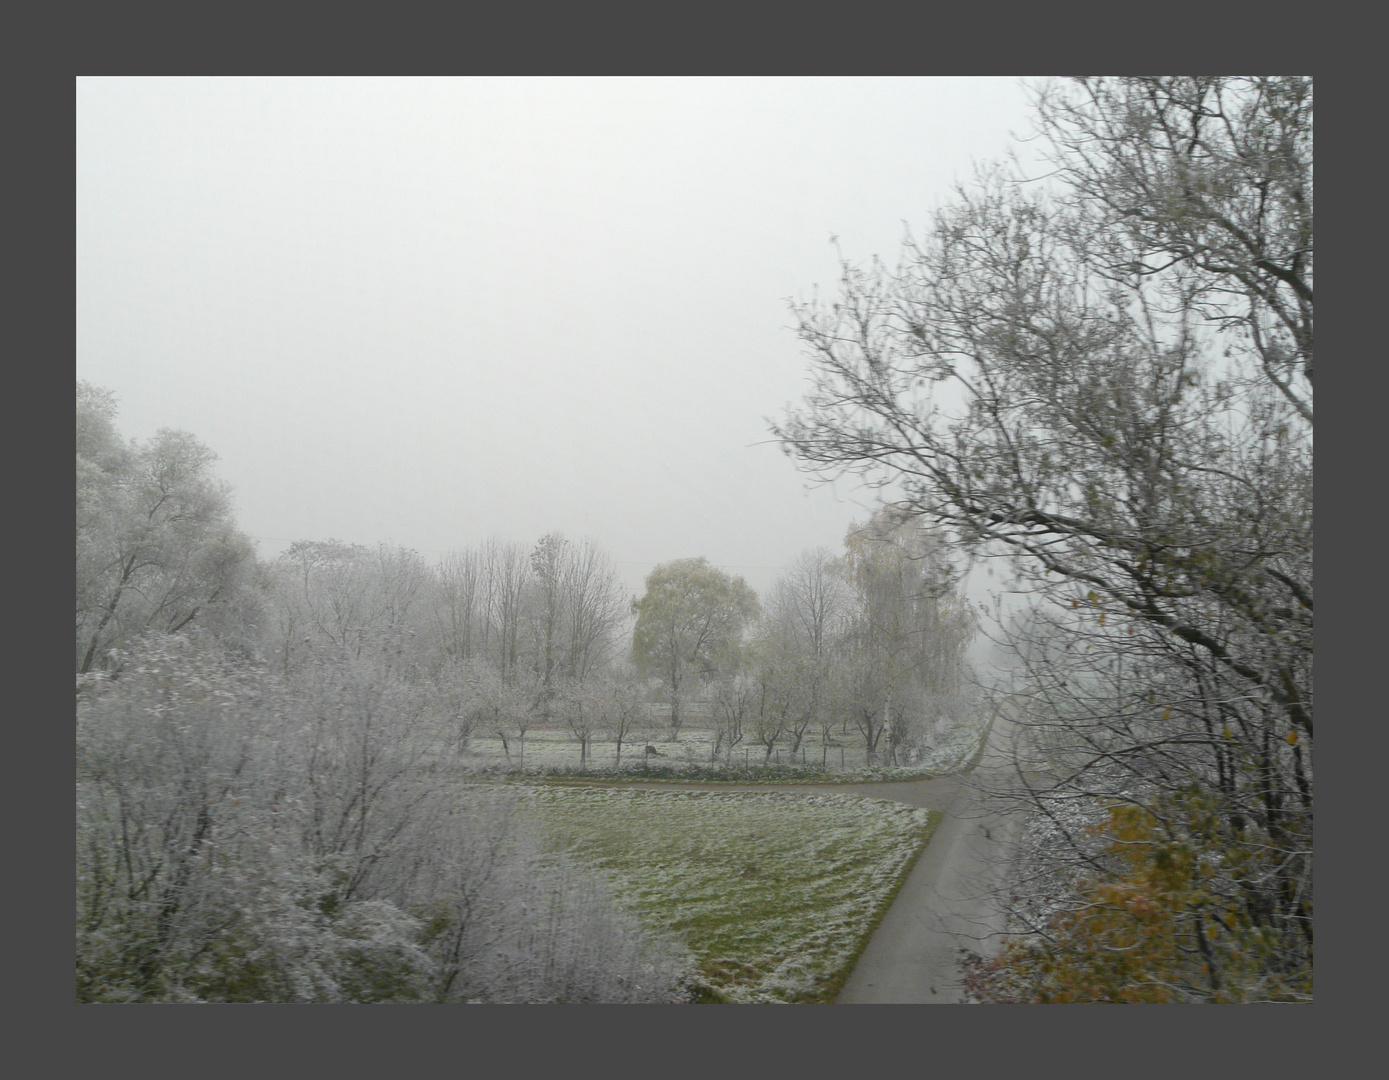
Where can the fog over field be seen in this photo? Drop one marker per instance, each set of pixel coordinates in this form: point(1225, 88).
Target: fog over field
point(475, 473)
point(432, 311)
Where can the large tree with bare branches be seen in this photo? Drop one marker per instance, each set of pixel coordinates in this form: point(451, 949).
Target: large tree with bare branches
point(1108, 377)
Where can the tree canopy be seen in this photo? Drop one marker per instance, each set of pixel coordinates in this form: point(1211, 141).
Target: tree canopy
point(157, 544)
point(690, 623)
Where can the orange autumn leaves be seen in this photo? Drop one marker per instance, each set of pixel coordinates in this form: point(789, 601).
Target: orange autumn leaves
point(1167, 925)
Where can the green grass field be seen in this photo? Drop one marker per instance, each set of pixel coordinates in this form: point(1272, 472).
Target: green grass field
point(775, 893)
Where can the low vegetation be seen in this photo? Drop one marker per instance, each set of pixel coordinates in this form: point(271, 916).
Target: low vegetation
point(243, 839)
point(774, 893)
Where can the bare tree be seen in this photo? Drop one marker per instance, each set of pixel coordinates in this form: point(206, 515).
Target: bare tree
point(582, 713)
point(576, 606)
point(771, 704)
point(623, 707)
point(506, 709)
point(1110, 380)
point(458, 604)
point(807, 618)
point(733, 706)
point(508, 575)
point(596, 606)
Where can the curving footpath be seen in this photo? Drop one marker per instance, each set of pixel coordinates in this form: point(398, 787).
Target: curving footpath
point(949, 900)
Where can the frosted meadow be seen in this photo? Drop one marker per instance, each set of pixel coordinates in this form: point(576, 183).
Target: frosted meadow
point(774, 893)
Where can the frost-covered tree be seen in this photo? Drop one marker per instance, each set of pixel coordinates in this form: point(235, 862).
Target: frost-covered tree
point(157, 545)
point(732, 709)
point(622, 707)
point(798, 641)
point(582, 712)
point(347, 597)
point(690, 626)
point(552, 613)
point(457, 605)
point(1109, 378)
point(244, 839)
point(576, 605)
point(904, 644)
point(508, 580)
point(595, 607)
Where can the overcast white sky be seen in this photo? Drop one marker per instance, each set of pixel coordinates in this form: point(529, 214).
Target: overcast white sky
point(432, 311)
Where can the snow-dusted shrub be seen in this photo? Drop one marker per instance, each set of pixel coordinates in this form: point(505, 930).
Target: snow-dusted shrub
point(243, 839)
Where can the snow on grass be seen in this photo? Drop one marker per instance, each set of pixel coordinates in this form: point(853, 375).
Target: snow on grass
point(774, 893)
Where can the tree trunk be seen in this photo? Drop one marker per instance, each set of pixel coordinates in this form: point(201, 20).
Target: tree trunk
point(107, 614)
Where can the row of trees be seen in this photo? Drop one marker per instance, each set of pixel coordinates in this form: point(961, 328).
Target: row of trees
point(1108, 377)
point(875, 638)
point(515, 634)
point(511, 634)
point(158, 549)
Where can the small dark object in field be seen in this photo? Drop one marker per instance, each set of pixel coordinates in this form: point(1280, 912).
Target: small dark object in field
point(653, 750)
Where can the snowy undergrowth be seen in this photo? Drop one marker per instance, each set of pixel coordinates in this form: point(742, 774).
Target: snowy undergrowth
point(774, 893)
